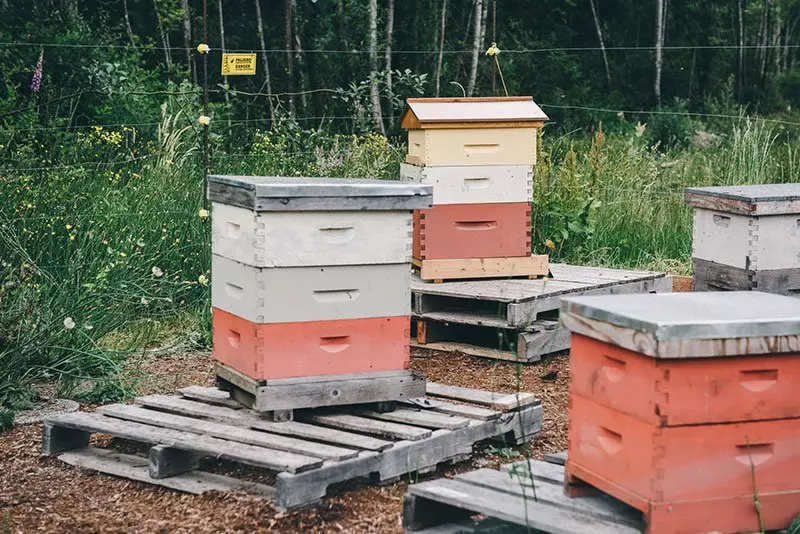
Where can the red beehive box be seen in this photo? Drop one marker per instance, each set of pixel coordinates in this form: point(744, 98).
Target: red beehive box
point(682, 405)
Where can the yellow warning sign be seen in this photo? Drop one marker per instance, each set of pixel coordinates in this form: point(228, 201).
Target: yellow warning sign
point(238, 64)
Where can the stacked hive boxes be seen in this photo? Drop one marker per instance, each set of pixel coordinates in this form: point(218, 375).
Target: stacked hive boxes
point(478, 154)
point(684, 406)
point(746, 237)
point(311, 284)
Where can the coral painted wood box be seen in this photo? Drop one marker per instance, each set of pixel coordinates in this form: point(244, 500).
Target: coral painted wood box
point(679, 399)
point(311, 279)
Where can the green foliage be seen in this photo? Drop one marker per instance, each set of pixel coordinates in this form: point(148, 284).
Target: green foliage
point(105, 391)
point(6, 420)
point(670, 127)
point(794, 528)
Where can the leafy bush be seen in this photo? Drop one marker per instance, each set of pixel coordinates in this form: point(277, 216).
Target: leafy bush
point(670, 127)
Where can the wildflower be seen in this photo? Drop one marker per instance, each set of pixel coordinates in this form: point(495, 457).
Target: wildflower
point(88, 326)
point(158, 273)
point(72, 237)
point(68, 227)
point(36, 82)
point(203, 214)
point(140, 243)
point(144, 301)
point(204, 120)
point(549, 244)
point(203, 48)
point(122, 254)
point(493, 50)
point(69, 324)
point(105, 242)
point(202, 280)
point(640, 128)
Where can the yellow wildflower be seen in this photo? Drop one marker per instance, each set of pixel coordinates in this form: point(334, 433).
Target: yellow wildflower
point(203, 214)
point(68, 227)
point(493, 50)
point(549, 244)
point(203, 48)
point(202, 280)
point(204, 120)
point(122, 254)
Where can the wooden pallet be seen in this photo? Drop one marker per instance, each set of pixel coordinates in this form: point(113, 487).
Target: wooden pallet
point(530, 267)
point(506, 497)
point(514, 320)
point(319, 448)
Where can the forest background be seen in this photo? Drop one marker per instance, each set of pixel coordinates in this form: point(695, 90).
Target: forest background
point(104, 237)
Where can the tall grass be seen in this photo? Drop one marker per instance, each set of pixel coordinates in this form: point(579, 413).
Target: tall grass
point(97, 262)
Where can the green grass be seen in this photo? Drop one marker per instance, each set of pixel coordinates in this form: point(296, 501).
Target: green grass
point(101, 261)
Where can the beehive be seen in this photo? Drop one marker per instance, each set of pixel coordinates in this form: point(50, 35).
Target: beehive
point(311, 277)
point(746, 238)
point(678, 400)
point(478, 155)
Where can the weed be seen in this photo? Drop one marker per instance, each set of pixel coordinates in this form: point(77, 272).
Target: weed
point(6, 420)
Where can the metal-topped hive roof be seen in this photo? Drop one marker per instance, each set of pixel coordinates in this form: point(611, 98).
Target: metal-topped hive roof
point(476, 112)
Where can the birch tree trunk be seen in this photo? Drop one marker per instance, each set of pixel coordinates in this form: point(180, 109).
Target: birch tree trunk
point(128, 22)
point(164, 42)
point(187, 37)
point(388, 67)
point(599, 31)
point(222, 44)
point(265, 61)
point(441, 47)
point(659, 44)
point(476, 43)
point(289, 55)
point(740, 5)
point(373, 66)
point(484, 18)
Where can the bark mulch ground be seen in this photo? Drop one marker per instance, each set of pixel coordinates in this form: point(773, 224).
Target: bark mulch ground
point(45, 495)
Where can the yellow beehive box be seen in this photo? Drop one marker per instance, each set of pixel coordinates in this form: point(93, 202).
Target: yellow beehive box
point(472, 131)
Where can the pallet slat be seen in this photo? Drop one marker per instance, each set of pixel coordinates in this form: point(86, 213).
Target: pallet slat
point(210, 395)
point(423, 418)
point(136, 468)
point(232, 433)
point(470, 412)
point(368, 426)
point(208, 446)
point(248, 420)
point(499, 401)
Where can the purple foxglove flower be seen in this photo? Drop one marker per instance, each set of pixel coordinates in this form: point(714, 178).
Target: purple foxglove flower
point(36, 82)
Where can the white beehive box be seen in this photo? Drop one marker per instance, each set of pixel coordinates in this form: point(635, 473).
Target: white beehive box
point(473, 184)
point(745, 233)
point(472, 131)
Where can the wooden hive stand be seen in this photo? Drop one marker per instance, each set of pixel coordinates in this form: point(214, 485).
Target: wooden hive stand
point(478, 155)
point(684, 407)
point(310, 291)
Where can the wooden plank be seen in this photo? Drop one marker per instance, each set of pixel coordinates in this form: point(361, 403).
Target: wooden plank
point(497, 401)
point(422, 418)
point(600, 507)
point(559, 458)
point(136, 468)
point(482, 267)
point(532, 346)
point(249, 419)
point(470, 412)
point(210, 395)
point(466, 348)
point(368, 426)
point(167, 462)
point(226, 431)
point(464, 317)
point(541, 516)
point(543, 471)
point(207, 446)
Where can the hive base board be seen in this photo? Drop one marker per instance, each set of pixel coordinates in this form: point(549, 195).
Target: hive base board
point(286, 394)
point(327, 448)
point(710, 276)
point(534, 266)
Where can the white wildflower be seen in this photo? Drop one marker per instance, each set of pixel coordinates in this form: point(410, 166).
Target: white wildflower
point(158, 273)
point(69, 324)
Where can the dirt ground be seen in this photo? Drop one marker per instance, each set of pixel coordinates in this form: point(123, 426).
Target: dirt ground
point(45, 495)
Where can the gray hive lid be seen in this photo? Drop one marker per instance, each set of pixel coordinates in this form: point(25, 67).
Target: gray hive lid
point(420, 112)
point(686, 325)
point(275, 193)
point(762, 199)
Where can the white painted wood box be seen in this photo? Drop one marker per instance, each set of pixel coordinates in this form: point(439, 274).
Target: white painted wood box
point(745, 233)
point(476, 184)
point(303, 238)
point(472, 131)
point(297, 294)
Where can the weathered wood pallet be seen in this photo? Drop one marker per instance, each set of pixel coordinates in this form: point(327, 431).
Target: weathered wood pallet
point(319, 448)
point(711, 276)
point(515, 320)
point(506, 497)
point(439, 270)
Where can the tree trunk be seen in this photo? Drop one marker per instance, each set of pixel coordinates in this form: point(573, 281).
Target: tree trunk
point(441, 47)
point(484, 18)
point(289, 55)
point(265, 61)
point(187, 37)
point(476, 43)
point(300, 72)
point(389, 34)
point(660, 15)
point(222, 44)
point(128, 22)
point(599, 31)
point(740, 5)
point(373, 66)
point(164, 42)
